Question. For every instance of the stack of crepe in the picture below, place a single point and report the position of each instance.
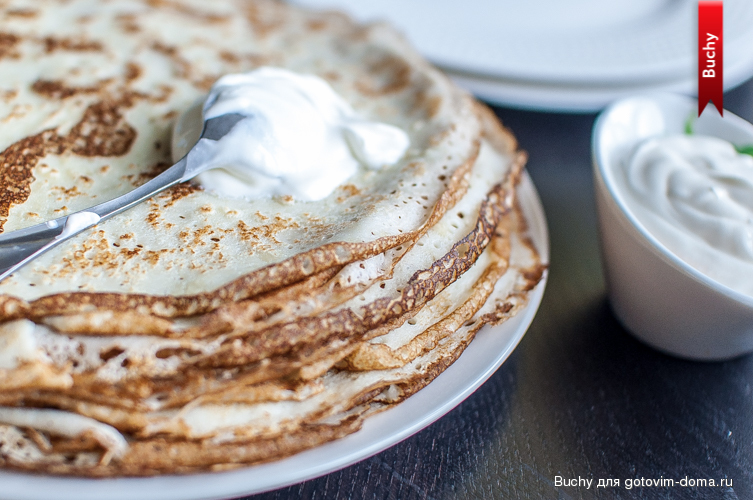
(198, 332)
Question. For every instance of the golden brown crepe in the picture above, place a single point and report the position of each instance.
(197, 332)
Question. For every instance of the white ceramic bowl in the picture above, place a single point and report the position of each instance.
(661, 299)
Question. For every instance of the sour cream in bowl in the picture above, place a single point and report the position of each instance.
(675, 202)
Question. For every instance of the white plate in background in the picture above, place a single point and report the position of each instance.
(576, 98)
(553, 55)
(553, 41)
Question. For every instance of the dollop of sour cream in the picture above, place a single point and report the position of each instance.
(695, 195)
(298, 137)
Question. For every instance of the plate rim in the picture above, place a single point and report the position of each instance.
(579, 98)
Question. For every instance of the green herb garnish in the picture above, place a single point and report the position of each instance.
(689, 123)
(745, 150)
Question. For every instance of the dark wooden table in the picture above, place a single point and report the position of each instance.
(579, 397)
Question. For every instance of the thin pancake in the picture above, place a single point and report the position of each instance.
(154, 367)
(383, 388)
(189, 251)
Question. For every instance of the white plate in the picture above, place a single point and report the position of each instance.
(580, 98)
(577, 41)
(479, 361)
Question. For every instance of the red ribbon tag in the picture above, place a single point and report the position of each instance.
(710, 56)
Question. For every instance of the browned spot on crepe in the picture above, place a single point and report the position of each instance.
(133, 71)
(179, 191)
(16, 165)
(265, 20)
(389, 75)
(8, 95)
(55, 89)
(189, 11)
(181, 67)
(8, 43)
(102, 131)
(51, 44)
(22, 13)
(128, 23)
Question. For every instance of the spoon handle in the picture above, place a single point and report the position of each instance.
(20, 247)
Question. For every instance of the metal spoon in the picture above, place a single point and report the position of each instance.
(17, 248)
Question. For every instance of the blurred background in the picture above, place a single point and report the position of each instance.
(573, 56)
